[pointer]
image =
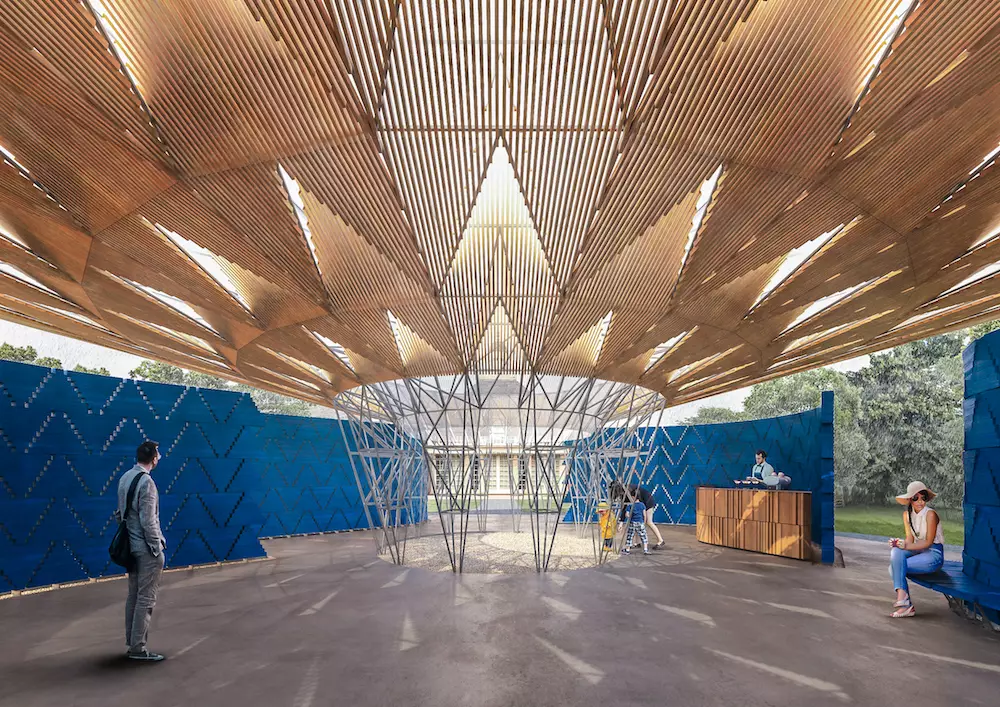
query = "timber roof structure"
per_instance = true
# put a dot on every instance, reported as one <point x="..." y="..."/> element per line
<point x="689" y="195"/>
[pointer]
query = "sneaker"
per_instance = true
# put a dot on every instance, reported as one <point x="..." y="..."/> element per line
<point x="646" y="552"/>
<point x="626" y="551"/>
<point x="146" y="656"/>
<point x="657" y="546"/>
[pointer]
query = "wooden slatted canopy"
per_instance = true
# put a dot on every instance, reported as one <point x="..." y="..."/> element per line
<point x="690" y="195"/>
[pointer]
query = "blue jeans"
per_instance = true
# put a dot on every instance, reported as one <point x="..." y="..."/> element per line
<point x="908" y="562"/>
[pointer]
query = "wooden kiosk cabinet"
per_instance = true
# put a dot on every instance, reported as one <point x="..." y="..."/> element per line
<point x="772" y="522"/>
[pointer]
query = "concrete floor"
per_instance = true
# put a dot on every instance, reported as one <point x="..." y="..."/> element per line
<point x="324" y="623"/>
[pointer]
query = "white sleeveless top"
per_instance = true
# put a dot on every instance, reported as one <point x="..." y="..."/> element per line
<point x="919" y="526"/>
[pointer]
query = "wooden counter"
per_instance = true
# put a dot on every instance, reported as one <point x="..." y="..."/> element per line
<point x="772" y="522"/>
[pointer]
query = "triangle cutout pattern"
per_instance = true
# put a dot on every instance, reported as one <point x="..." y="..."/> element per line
<point x="229" y="474"/>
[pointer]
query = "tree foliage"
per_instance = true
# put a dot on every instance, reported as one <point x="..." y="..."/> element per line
<point x="27" y="354"/>
<point x="911" y="415"/>
<point x="20" y="354"/>
<point x="896" y="420"/>
<point x="102" y="371"/>
<point x="711" y="415"/>
<point x="266" y="401"/>
<point x="984" y="328"/>
<point x="803" y="391"/>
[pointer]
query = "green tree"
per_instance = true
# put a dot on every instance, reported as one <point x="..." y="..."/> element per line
<point x="710" y="415"/>
<point x="803" y="391"/>
<point x="158" y="372"/>
<point x="102" y="371"/>
<point x="265" y="400"/>
<point x="48" y="362"/>
<point x="911" y="415"/>
<point x="20" y="354"/>
<point x="983" y="328"/>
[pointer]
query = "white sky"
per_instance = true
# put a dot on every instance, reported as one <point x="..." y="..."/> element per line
<point x="71" y="352"/>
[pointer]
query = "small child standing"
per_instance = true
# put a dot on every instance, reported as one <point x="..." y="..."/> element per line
<point x="607" y="523"/>
<point x="636" y="513"/>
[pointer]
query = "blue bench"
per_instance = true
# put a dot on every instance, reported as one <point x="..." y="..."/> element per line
<point x="966" y="596"/>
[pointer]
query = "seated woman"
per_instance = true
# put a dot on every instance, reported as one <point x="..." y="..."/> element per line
<point x="921" y="551"/>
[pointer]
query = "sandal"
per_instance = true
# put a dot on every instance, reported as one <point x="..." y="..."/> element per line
<point x="901" y="603"/>
<point x="903" y="612"/>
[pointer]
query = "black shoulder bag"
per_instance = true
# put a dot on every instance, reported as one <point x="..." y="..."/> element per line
<point x="120" y="548"/>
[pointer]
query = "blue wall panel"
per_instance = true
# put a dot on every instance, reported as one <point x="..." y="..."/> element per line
<point x="981" y="557"/>
<point x="801" y="446"/>
<point x="229" y="474"/>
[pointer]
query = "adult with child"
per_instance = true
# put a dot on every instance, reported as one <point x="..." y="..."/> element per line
<point x="634" y="509"/>
<point x="921" y="551"/>
<point x="139" y="505"/>
<point x="643" y="494"/>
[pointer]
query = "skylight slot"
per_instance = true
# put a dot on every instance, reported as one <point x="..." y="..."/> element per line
<point x="294" y="192"/>
<point x="107" y="29"/>
<point x="704" y="199"/>
<point x="663" y="349"/>
<point x="9" y="157"/>
<point x="698" y="365"/>
<point x="916" y="318"/>
<point x="794" y="260"/>
<point x="825" y="303"/>
<point x="974" y="173"/>
<point x="207" y="261"/>
<point x="167" y="331"/>
<point x="396" y="333"/>
<point x="986" y="238"/>
<point x="978" y="276"/>
<point x="299" y="364"/>
<point x="21" y="276"/>
<point x="290" y="379"/>
<point x="175" y="303"/>
<point x="602" y="335"/>
<point x="72" y="315"/>
<point x="14" y="240"/>
<point x="896" y="27"/>
<point x="336" y="349"/>
<point x="714" y="377"/>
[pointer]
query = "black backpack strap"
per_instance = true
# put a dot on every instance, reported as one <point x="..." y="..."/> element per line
<point x="131" y="492"/>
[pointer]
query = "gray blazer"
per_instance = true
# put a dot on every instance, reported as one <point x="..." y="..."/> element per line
<point x="143" y="519"/>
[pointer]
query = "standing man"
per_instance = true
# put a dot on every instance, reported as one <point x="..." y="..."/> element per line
<point x="142" y="518"/>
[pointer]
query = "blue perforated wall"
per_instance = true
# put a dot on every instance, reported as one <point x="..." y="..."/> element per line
<point x="981" y="557"/>
<point x="801" y="446"/>
<point x="228" y="476"/>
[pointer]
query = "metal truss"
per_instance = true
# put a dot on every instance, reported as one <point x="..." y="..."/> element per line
<point x="387" y="465"/>
<point x="558" y="439"/>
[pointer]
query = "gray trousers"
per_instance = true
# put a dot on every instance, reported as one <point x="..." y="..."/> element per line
<point x="143" y="583"/>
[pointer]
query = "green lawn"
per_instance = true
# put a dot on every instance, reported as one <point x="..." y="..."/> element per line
<point x="545" y="504"/>
<point x="433" y="508"/>
<point x="888" y="522"/>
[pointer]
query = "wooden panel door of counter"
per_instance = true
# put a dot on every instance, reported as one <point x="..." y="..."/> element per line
<point x="772" y="522"/>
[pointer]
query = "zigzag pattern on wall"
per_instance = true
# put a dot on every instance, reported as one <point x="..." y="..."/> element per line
<point x="228" y="476"/>
<point x="715" y="455"/>
<point x="681" y="458"/>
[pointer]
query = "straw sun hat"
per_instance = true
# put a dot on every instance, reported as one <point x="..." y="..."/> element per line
<point x="912" y="490"/>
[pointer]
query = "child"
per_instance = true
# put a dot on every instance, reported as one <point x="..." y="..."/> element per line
<point x="607" y="522"/>
<point x="636" y="513"/>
